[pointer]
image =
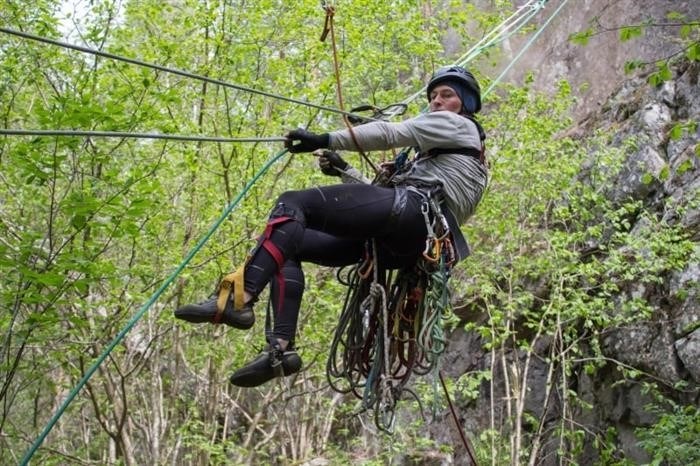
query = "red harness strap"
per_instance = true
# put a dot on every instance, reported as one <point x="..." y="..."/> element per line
<point x="276" y="254"/>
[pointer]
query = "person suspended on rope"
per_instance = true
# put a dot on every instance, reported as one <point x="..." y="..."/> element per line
<point x="330" y="225"/>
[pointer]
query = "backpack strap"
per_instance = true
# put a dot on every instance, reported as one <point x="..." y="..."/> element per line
<point x="482" y="137"/>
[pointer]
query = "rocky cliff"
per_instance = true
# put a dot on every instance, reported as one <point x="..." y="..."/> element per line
<point x="598" y="68"/>
<point x="656" y="129"/>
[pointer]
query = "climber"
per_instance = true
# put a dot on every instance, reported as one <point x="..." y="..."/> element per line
<point x="330" y="225"/>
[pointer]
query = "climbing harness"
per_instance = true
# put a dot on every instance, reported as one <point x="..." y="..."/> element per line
<point x="388" y="329"/>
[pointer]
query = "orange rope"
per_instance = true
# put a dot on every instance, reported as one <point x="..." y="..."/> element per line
<point x="465" y="441"/>
<point x="328" y="27"/>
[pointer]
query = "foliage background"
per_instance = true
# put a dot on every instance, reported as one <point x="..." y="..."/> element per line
<point x="92" y="226"/>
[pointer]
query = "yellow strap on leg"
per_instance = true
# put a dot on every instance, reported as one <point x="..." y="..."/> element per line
<point x="233" y="280"/>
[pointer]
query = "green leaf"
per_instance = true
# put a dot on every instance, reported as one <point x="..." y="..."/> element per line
<point x="632" y="65"/>
<point x="78" y="221"/>
<point x="665" y="71"/>
<point x="693" y="52"/>
<point x="685" y="31"/>
<point x="630" y="32"/>
<point x="676" y="132"/>
<point x="675" y="16"/>
<point x="582" y="37"/>
<point x="684" y="167"/>
<point x="663" y="74"/>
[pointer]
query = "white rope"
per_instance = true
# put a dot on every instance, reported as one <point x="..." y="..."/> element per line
<point x="505" y="29"/>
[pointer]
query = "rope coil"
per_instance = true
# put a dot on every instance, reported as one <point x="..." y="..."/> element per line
<point x="388" y="330"/>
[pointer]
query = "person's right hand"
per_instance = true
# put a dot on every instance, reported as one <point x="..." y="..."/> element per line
<point x="301" y="140"/>
<point x="331" y="163"/>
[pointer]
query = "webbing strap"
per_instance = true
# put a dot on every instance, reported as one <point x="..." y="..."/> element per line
<point x="276" y="254"/>
<point x="470" y="151"/>
<point x="233" y="280"/>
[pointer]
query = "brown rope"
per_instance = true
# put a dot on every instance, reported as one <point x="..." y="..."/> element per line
<point x="328" y="27"/>
<point x="465" y="441"/>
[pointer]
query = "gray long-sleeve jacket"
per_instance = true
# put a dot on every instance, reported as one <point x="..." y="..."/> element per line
<point x="462" y="177"/>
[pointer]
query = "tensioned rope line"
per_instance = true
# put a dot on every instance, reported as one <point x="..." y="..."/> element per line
<point x="527" y="45"/>
<point x="74" y="392"/>
<point x="93" y="368"/>
<point x="121" y="134"/>
<point x="505" y="29"/>
<point x="477" y="50"/>
<point x="501" y="32"/>
<point x="166" y="69"/>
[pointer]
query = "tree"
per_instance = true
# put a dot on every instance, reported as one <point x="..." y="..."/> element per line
<point x="92" y="225"/>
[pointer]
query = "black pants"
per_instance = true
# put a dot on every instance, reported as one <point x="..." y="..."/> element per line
<point x="329" y="226"/>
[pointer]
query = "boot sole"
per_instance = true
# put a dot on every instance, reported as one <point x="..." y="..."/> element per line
<point x="259" y="371"/>
<point x="243" y="319"/>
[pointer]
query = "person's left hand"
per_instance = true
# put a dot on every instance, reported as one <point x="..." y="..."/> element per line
<point x="331" y="163"/>
<point x="388" y="168"/>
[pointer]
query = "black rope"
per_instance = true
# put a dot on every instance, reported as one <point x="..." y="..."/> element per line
<point x="186" y="74"/>
<point x="119" y="134"/>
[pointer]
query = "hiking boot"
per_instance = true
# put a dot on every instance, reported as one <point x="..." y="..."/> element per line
<point x="206" y="311"/>
<point x="271" y="363"/>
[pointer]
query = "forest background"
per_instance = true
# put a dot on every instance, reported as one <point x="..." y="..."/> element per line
<point x="91" y="227"/>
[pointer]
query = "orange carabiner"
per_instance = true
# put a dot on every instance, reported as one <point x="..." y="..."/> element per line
<point x="432" y="246"/>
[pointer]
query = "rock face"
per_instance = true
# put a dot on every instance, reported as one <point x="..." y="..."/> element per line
<point x="661" y="172"/>
<point x="595" y="70"/>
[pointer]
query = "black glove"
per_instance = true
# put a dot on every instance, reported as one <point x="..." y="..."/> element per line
<point x="307" y="141"/>
<point x="331" y="163"/>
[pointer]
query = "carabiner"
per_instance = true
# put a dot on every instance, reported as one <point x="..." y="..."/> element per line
<point x="432" y="246"/>
<point x="425" y="210"/>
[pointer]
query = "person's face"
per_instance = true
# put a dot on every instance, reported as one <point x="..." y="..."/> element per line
<point x="443" y="97"/>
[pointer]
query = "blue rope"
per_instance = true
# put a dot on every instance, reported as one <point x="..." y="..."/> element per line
<point x="95" y="365"/>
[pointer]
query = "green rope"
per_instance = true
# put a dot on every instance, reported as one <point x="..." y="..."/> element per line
<point x="95" y="365"/>
<point x="432" y="337"/>
<point x="487" y="42"/>
<point x="534" y="11"/>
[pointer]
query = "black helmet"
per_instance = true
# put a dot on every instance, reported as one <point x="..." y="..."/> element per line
<point x="459" y="75"/>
